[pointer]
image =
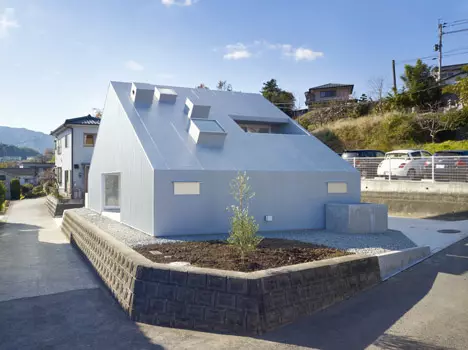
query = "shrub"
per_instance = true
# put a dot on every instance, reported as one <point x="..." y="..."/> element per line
<point x="244" y="229"/>
<point x="2" y="194"/>
<point x="38" y="191"/>
<point x="15" y="189"/>
<point x="26" y="190"/>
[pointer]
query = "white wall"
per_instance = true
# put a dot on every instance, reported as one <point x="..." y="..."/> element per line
<point x="63" y="160"/>
<point x="119" y="151"/>
<point x="81" y="154"/>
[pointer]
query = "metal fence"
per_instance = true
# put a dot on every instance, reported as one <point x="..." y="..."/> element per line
<point x="449" y="169"/>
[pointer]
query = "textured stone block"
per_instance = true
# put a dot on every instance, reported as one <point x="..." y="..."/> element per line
<point x="216" y="282"/>
<point x="178" y="309"/>
<point x="166" y="291"/>
<point x="224" y="300"/>
<point x="185" y="295"/>
<point x="205" y="297"/>
<point x="196" y="280"/>
<point x="196" y="312"/>
<point x="247" y="303"/>
<point x="236" y="318"/>
<point x="157" y="306"/>
<point x="178" y="277"/>
<point x="237" y="285"/>
<point x="269" y="284"/>
<point x="214" y="315"/>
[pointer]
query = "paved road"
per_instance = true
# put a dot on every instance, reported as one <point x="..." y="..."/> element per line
<point x="49" y="298"/>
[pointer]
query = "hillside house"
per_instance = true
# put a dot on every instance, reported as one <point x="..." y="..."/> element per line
<point x="452" y="72"/>
<point x="328" y="92"/>
<point x="165" y="157"/>
<point x="74" y="145"/>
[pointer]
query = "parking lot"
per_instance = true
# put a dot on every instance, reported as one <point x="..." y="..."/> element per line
<point x="400" y="166"/>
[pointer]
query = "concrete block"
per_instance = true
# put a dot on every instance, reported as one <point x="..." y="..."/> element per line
<point x="356" y="218"/>
<point x="394" y="262"/>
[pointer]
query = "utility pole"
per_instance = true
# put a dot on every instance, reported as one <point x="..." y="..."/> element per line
<point x="439" y="76"/>
<point x="394" y="77"/>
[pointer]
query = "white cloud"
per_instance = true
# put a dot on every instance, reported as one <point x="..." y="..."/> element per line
<point x="7" y="21"/>
<point x="236" y="52"/>
<point x="241" y="51"/>
<point x="302" y="54"/>
<point x="169" y="3"/>
<point x="133" y="65"/>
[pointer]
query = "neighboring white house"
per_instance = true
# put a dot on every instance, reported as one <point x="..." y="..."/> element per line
<point x="165" y="157"/>
<point x="74" y="146"/>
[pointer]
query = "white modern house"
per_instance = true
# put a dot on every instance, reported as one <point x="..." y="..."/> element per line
<point x="165" y="157"/>
<point x="74" y="146"/>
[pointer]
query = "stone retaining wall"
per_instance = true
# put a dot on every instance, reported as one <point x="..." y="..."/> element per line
<point x="57" y="208"/>
<point x="216" y="300"/>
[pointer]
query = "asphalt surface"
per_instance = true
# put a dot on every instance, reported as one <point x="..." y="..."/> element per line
<point x="51" y="299"/>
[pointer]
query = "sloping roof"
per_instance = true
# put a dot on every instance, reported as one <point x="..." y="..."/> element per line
<point x="332" y="85"/>
<point x="454" y="66"/>
<point x="162" y="131"/>
<point x="86" y="120"/>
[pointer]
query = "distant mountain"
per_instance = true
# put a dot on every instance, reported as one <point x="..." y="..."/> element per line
<point x="26" y="138"/>
<point x="13" y="151"/>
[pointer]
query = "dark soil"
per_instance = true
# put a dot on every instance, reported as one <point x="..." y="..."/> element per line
<point x="221" y="255"/>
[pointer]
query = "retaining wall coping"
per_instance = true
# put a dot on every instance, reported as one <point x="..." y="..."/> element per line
<point x="143" y="262"/>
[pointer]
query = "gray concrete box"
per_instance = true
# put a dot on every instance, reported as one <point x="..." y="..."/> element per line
<point x="356" y="218"/>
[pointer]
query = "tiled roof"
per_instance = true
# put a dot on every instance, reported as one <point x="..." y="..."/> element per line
<point x="332" y="85"/>
<point x="87" y="120"/>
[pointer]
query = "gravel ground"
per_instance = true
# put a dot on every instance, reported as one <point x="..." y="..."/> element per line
<point x="369" y="244"/>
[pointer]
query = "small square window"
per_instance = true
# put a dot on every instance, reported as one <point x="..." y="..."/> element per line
<point x="89" y="140"/>
<point x="186" y="188"/>
<point x="337" y="187"/>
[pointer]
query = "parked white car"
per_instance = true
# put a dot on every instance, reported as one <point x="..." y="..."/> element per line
<point x="404" y="163"/>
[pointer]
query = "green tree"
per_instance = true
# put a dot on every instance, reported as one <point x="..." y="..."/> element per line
<point x="420" y="85"/>
<point x="460" y="89"/>
<point x="15" y="189"/>
<point x="282" y="99"/>
<point x="244" y="229"/>
<point x="224" y="86"/>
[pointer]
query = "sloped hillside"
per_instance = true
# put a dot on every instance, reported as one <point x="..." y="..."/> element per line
<point x="21" y="137"/>
<point x="13" y="151"/>
<point x="388" y="132"/>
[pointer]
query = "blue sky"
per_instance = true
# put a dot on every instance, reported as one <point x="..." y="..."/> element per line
<point x="58" y="56"/>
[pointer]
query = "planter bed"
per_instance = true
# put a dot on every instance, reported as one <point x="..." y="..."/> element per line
<point x="212" y="299"/>
<point x="270" y="253"/>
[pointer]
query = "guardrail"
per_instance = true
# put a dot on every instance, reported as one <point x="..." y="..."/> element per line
<point x="448" y="169"/>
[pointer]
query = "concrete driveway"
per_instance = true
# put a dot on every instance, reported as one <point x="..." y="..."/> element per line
<point x="51" y="299"/>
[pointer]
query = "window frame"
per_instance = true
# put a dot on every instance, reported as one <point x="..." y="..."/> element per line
<point x="94" y="135"/>
<point x="179" y="192"/>
<point x="328" y="93"/>
<point x="103" y="191"/>
<point x="59" y="146"/>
